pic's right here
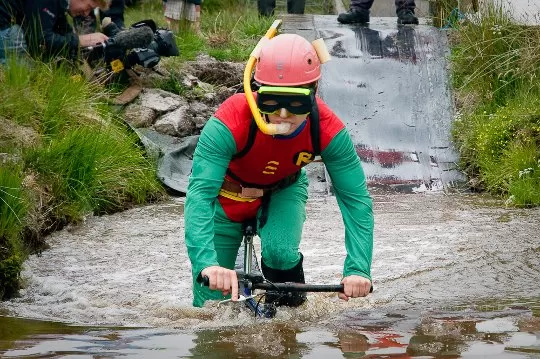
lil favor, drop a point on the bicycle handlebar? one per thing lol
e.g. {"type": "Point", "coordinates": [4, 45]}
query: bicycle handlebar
{"type": "Point", "coordinates": [287, 286]}
{"type": "Point", "coordinates": [298, 287]}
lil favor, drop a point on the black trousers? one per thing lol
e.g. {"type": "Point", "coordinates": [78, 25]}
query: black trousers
{"type": "Point", "coordinates": [366, 4]}
{"type": "Point", "coordinates": [267, 7]}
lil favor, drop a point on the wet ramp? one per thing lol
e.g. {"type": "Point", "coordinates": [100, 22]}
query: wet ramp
{"type": "Point", "coordinates": [390, 85]}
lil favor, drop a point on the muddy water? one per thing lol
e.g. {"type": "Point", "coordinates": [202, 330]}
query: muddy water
{"type": "Point", "coordinates": [455, 276]}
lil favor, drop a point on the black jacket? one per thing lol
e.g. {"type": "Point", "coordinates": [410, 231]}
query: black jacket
{"type": "Point", "coordinates": [11, 13]}
{"type": "Point", "coordinates": [47, 29]}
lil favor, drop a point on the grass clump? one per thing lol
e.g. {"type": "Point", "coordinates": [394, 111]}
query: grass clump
{"type": "Point", "coordinates": [93, 169]}
{"type": "Point", "coordinates": [65, 156]}
{"type": "Point", "coordinates": [13, 207]}
{"type": "Point", "coordinates": [496, 68]}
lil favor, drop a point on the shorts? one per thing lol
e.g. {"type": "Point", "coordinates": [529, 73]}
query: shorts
{"type": "Point", "coordinates": [178, 9]}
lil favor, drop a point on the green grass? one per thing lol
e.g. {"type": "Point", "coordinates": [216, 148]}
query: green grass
{"type": "Point", "coordinates": [93, 169]}
{"type": "Point", "coordinates": [13, 208]}
{"type": "Point", "coordinates": [495, 69]}
{"type": "Point", "coordinates": [496, 57]}
{"type": "Point", "coordinates": [85, 160]}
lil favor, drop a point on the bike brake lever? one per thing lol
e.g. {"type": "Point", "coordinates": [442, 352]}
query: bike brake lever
{"type": "Point", "coordinates": [241, 298]}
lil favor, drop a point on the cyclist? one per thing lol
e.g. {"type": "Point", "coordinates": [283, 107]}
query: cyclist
{"type": "Point", "coordinates": [240, 173]}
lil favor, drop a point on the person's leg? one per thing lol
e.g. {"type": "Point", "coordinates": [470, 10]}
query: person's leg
{"type": "Point", "coordinates": [11, 43]}
{"type": "Point", "coordinates": [280, 239]}
{"type": "Point", "coordinates": [172, 13]}
{"type": "Point", "coordinates": [227, 240]}
{"type": "Point", "coordinates": [266, 7]}
{"type": "Point", "coordinates": [197, 22]}
{"type": "Point", "coordinates": [361, 4]}
{"type": "Point", "coordinates": [405, 12]}
{"type": "Point", "coordinates": [296, 6]}
{"type": "Point", "coordinates": [192, 13]}
{"type": "Point", "coordinates": [358, 12]}
{"type": "Point", "coordinates": [405, 4]}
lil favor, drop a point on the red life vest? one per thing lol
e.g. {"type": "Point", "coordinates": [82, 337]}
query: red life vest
{"type": "Point", "coordinates": [269, 159]}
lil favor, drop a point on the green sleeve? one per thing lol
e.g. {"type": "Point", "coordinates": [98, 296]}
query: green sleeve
{"type": "Point", "coordinates": [354, 201]}
{"type": "Point", "coordinates": [212, 155]}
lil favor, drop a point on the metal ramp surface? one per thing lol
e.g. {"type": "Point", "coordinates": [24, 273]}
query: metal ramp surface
{"type": "Point", "coordinates": [390, 85]}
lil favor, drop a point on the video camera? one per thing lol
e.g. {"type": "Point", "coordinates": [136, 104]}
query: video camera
{"type": "Point", "coordinates": [143, 44]}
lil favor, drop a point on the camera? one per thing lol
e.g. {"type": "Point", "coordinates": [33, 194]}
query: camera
{"type": "Point", "coordinates": [142, 44]}
{"type": "Point", "coordinates": [162, 44]}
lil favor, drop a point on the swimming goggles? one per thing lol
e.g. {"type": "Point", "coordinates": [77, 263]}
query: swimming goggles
{"type": "Point", "coordinates": [296, 100]}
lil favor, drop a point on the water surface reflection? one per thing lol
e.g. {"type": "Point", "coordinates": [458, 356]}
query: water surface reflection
{"type": "Point", "coordinates": [476, 331]}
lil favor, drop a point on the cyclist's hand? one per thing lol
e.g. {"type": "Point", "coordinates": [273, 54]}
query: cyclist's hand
{"type": "Point", "coordinates": [222, 279]}
{"type": "Point", "coordinates": [354, 286]}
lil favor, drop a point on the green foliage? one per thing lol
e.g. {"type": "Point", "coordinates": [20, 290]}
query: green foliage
{"type": "Point", "coordinates": [502, 149]}
{"type": "Point", "coordinates": [94, 169]}
{"type": "Point", "coordinates": [83, 162]}
{"type": "Point", "coordinates": [190, 45]}
{"type": "Point", "coordinates": [494, 57]}
{"type": "Point", "coordinates": [13, 207]}
{"type": "Point", "coordinates": [496, 63]}
{"type": "Point", "coordinates": [144, 10]}
{"type": "Point", "coordinates": [172, 84]}
{"type": "Point", "coordinates": [65, 100]}
{"type": "Point", "coordinates": [46, 97]}
{"type": "Point", "coordinates": [13, 204]}
{"type": "Point", "coordinates": [10, 269]}
{"type": "Point", "coordinates": [18, 97]}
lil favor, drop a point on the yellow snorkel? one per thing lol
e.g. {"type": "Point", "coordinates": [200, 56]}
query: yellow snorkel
{"type": "Point", "coordinates": [266, 128]}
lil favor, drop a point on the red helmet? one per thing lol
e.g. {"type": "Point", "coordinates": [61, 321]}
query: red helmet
{"type": "Point", "coordinates": [287, 60]}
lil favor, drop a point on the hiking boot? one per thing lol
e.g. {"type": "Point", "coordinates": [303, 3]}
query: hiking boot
{"type": "Point", "coordinates": [406, 16]}
{"type": "Point", "coordinates": [295, 275]}
{"type": "Point", "coordinates": [354, 16]}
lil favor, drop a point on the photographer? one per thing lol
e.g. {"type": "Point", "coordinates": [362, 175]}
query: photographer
{"type": "Point", "coordinates": [11, 35]}
{"type": "Point", "coordinates": [88, 24]}
{"type": "Point", "coordinates": [48, 33]}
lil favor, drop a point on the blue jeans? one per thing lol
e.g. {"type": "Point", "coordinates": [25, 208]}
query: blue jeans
{"type": "Point", "coordinates": [11, 43]}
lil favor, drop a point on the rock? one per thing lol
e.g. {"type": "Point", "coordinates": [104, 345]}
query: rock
{"type": "Point", "coordinates": [15, 135]}
{"type": "Point", "coordinates": [139, 116]}
{"type": "Point", "coordinates": [161, 101]}
{"type": "Point", "coordinates": [200, 113]}
{"type": "Point", "coordinates": [176, 123]}
{"type": "Point", "coordinates": [189, 81]}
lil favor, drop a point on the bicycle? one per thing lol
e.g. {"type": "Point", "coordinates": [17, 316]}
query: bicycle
{"type": "Point", "coordinates": [248, 282]}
